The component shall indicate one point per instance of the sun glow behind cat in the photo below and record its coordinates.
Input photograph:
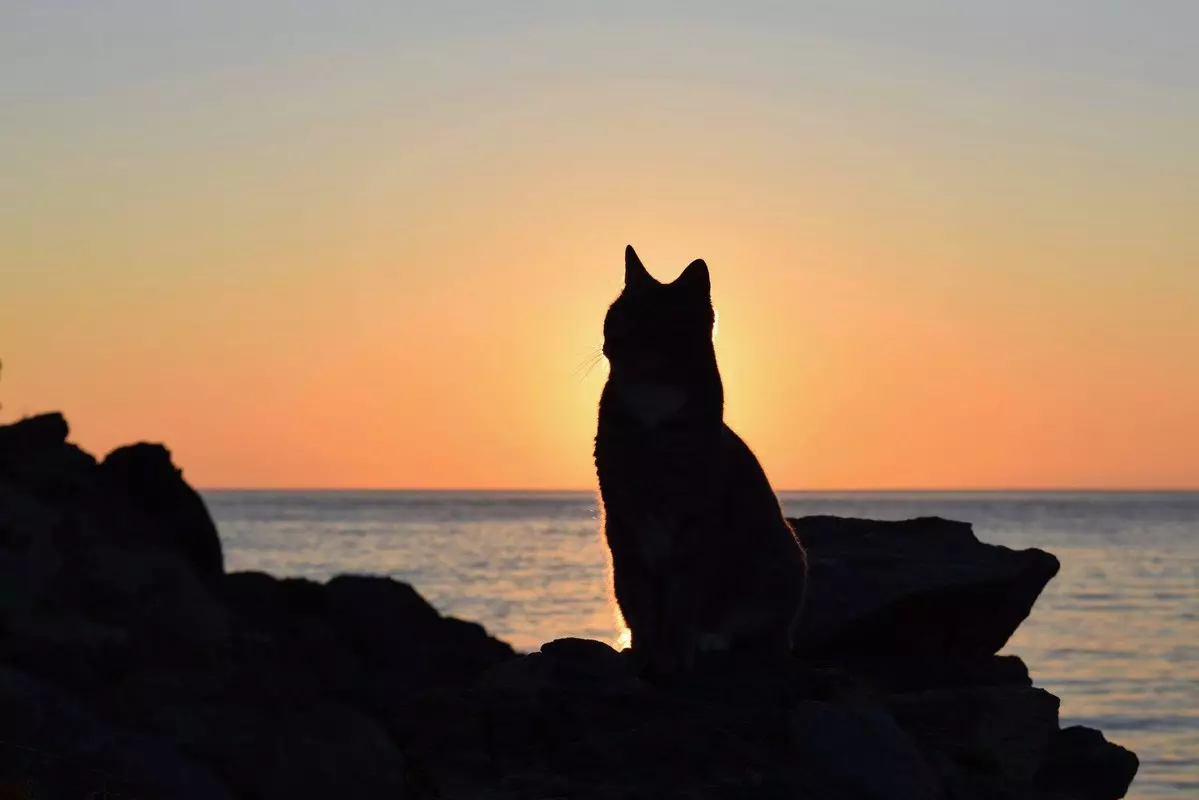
(365, 245)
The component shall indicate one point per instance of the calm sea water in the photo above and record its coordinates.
(1115, 635)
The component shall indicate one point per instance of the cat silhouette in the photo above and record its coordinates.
(702, 556)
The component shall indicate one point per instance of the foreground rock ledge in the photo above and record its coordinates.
(131, 663)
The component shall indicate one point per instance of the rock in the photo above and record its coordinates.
(90, 585)
(1083, 765)
(583, 664)
(275, 749)
(148, 480)
(1001, 733)
(131, 663)
(287, 639)
(265, 598)
(373, 638)
(295, 709)
(34, 452)
(32, 436)
(366, 604)
(575, 719)
(113, 594)
(397, 630)
(921, 590)
(62, 749)
(859, 751)
(331, 750)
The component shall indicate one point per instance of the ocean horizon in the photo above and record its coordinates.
(1115, 634)
(1063, 490)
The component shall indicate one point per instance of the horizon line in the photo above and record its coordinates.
(593, 490)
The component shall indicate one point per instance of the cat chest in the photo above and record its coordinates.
(652, 464)
(656, 538)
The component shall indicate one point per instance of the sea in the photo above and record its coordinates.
(1115, 635)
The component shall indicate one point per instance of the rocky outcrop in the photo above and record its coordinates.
(920, 600)
(146, 484)
(132, 664)
(574, 721)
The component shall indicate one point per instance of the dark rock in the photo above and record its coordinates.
(372, 638)
(34, 452)
(113, 593)
(130, 662)
(293, 709)
(148, 480)
(266, 599)
(62, 749)
(331, 750)
(287, 639)
(226, 719)
(367, 604)
(272, 746)
(254, 594)
(924, 590)
(574, 719)
(993, 671)
(1083, 765)
(583, 664)
(87, 591)
(999, 733)
(406, 645)
(910, 672)
(29, 437)
(858, 752)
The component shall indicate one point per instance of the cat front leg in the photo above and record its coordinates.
(678, 629)
(637, 599)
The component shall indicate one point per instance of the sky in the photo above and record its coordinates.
(371, 244)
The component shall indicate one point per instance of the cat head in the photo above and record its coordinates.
(661, 332)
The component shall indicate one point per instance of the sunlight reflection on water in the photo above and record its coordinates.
(1115, 635)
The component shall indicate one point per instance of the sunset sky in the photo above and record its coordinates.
(370, 244)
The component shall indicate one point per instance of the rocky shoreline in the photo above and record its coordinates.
(131, 663)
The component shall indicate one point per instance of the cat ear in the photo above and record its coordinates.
(695, 278)
(635, 274)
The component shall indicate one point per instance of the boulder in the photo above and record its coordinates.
(89, 586)
(147, 481)
(1083, 765)
(584, 664)
(996, 736)
(34, 451)
(397, 630)
(31, 437)
(57, 746)
(373, 638)
(922, 591)
(859, 751)
(331, 750)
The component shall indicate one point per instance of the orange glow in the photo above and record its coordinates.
(315, 279)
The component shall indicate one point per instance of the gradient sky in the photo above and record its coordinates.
(370, 243)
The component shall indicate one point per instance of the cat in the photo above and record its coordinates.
(702, 556)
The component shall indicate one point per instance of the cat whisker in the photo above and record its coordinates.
(589, 363)
(594, 363)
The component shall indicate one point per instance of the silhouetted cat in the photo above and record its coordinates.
(702, 557)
